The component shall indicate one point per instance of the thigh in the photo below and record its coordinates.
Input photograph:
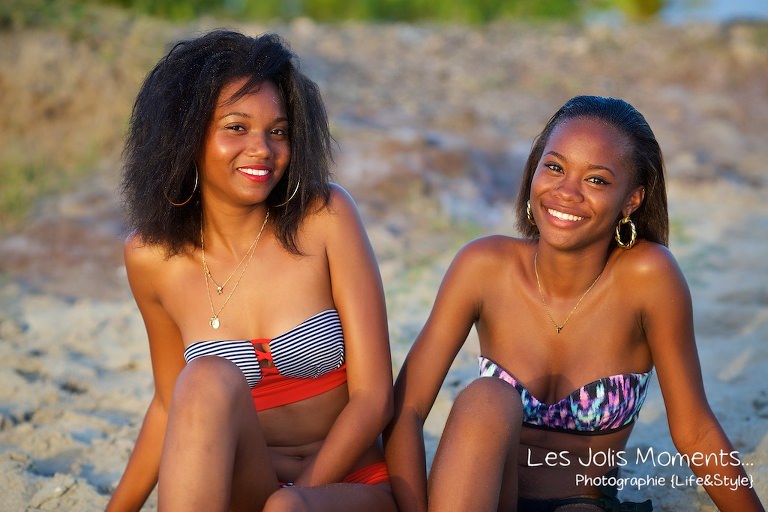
(333, 498)
(214, 443)
(508, 495)
(476, 460)
(253, 476)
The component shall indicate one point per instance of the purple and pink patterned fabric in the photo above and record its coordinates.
(600, 407)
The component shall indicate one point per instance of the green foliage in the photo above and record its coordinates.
(18, 14)
(638, 9)
(21, 186)
(24, 182)
(468, 11)
(21, 13)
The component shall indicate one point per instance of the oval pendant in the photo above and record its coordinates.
(214, 322)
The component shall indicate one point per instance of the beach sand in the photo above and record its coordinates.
(433, 125)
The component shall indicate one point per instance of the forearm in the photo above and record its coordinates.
(355, 430)
(717, 465)
(140, 475)
(729, 486)
(406, 462)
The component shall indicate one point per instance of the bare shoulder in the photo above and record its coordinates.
(139, 254)
(146, 266)
(493, 250)
(652, 273)
(647, 260)
(486, 260)
(337, 221)
(340, 203)
(340, 208)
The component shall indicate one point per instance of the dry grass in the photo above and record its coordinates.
(66, 90)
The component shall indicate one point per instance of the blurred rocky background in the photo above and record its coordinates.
(434, 106)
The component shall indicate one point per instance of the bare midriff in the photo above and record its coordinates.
(551, 461)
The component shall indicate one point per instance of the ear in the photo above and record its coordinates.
(634, 200)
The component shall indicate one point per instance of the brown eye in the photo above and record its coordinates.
(553, 167)
(279, 133)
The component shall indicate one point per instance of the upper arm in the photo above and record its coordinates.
(358, 295)
(456, 308)
(143, 265)
(668, 324)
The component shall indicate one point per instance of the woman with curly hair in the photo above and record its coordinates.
(258, 288)
(572, 319)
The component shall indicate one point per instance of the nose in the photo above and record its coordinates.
(569, 188)
(259, 145)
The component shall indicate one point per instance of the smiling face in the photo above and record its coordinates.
(583, 183)
(246, 147)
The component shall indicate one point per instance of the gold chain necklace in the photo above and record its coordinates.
(559, 328)
(207, 270)
(214, 321)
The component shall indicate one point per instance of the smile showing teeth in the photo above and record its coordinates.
(563, 216)
(254, 172)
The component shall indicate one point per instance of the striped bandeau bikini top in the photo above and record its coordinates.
(311, 349)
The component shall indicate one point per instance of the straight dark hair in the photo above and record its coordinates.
(646, 161)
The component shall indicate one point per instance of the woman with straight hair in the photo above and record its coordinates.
(572, 320)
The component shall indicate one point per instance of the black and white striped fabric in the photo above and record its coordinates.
(240, 352)
(309, 350)
(314, 347)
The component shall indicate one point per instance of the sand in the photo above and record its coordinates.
(433, 124)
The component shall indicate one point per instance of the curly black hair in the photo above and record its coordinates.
(168, 125)
(647, 161)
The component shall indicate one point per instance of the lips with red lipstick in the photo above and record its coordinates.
(258, 173)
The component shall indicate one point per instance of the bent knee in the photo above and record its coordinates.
(209, 378)
(288, 499)
(491, 398)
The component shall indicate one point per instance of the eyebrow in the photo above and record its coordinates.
(591, 166)
(248, 116)
(241, 114)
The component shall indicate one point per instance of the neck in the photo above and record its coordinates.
(567, 274)
(232, 231)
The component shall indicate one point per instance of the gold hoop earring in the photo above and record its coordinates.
(632, 233)
(529, 213)
(292, 195)
(194, 189)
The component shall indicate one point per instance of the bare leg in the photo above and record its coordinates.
(481, 435)
(333, 498)
(214, 455)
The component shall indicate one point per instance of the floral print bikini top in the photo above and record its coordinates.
(600, 407)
